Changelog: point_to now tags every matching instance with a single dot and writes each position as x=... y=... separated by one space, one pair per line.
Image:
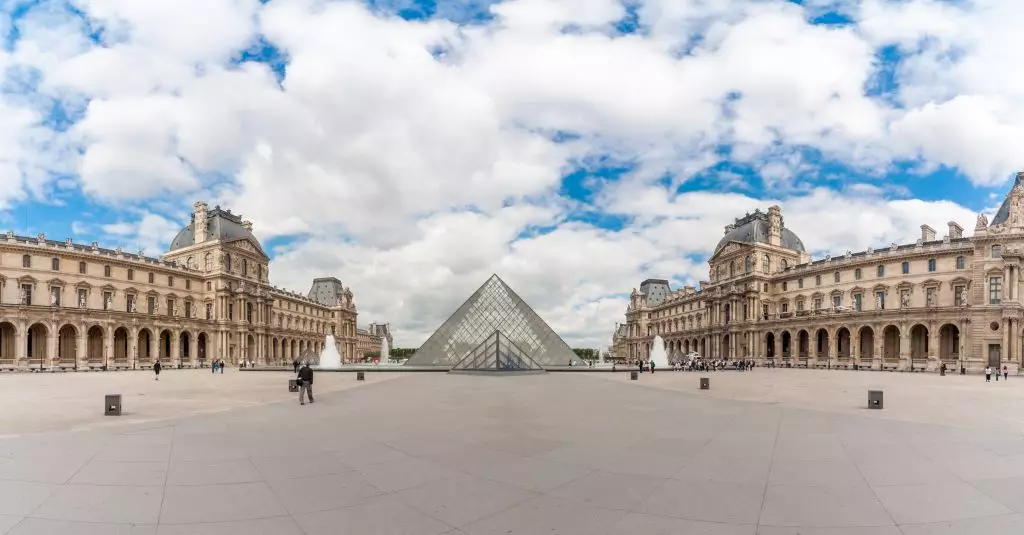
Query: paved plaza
x=558 y=453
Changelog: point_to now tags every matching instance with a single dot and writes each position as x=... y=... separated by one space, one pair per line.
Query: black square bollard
x=705 y=383
x=633 y=375
x=874 y=399
x=112 y=405
x=360 y=376
x=293 y=385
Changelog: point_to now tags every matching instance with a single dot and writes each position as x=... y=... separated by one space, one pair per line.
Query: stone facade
x=71 y=306
x=368 y=340
x=953 y=300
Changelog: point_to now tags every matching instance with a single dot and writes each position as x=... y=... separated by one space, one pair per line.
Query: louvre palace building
x=65 y=305
x=953 y=300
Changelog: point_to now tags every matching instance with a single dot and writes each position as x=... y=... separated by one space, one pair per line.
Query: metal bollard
x=633 y=375
x=112 y=405
x=293 y=385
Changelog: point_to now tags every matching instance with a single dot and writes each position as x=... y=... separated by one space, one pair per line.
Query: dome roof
x=753 y=228
x=220 y=225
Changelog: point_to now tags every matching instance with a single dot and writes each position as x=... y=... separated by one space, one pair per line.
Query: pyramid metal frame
x=497 y=354
x=493 y=307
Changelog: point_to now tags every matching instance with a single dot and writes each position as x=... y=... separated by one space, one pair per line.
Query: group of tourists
x=988 y=374
x=217 y=365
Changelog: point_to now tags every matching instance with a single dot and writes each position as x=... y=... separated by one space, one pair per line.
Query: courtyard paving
x=561 y=453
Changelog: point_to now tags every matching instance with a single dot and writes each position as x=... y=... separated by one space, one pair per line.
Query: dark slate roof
x=753 y=228
x=327 y=291
x=220 y=225
x=1004 y=210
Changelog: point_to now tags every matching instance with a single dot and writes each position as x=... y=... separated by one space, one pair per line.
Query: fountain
x=385 y=353
x=658 y=354
x=601 y=363
x=330 y=359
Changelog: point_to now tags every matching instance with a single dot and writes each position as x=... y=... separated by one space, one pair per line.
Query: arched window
x=961 y=262
x=227 y=262
x=746 y=264
x=718 y=276
x=189 y=262
x=997 y=251
x=783 y=264
x=208 y=262
x=766 y=264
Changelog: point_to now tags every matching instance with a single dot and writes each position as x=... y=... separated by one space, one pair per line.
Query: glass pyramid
x=498 y=354
x=493 y=307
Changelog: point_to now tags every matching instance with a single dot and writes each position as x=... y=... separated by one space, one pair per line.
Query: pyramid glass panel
x=497 y=354
x=493 y=307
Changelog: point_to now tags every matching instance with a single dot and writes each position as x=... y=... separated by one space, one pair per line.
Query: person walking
x=988 y=374
x=305 y=383
x=1006 y=373
x=213 y=367
x=156 y=370
x=295 y=365
x=652 y=367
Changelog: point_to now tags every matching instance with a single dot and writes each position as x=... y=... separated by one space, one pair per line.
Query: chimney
x=927 y=233
x=199 y=221
x=955 y=230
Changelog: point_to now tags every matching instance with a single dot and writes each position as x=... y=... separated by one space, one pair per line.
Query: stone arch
x=803 y=344
x=36 y=343
x=949 y=342
x=120 y=345
x=919 y=342
x=294 y=349
x=891 y=343
x=163 y=348
x=185 y=346
x=250 y=348
x=8 y=341
x=769 y=346
x=144 y=344
x=94 y=345
x=787 y=345
x=274 y=349
x=67 y=344
x=201 y=346
x=843 y=343
x=723 y=352
x=821 y=344
x=866 y=343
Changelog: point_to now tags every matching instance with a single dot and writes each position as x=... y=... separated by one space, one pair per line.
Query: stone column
x=81 y=350
x=108 y=346
x=1004 y=353
x=20 y=343
x=51 y=346
x=175 y=348
x=879 y=359
x=193 y=350
x=933 y=348
x=905 y=355
x=777 y=349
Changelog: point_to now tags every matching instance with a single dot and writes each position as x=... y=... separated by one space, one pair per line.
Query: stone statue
x=878 y=302
x=131 y=307
x=81 y=301
x=982 y=221
x=931 y=299
x=109 y=303
x=905 y=300
x=24 y=297
x=53 y=299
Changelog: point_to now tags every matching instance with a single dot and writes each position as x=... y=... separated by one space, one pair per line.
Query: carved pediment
x=856 y=290
x=881 y=288
x=817 y=295
x=931 y=283
x=905 y=286
x=960 y=281
x=837 y=292
x=248 y=246
x=995 y=271
x=109 y=288
x=83 y=284
x=131 y=290
x=56 y=281
x=27 y=279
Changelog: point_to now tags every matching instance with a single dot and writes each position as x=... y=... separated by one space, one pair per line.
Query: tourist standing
x=222 y=366
x=305 y=383
x=1006 y=373
x=652 y=367
x=156 y=370
x=295 y=365
x=988 y=374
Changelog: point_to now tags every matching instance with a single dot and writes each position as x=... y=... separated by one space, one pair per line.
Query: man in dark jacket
x=305 y=383
x=295 y=366
x=156 y=369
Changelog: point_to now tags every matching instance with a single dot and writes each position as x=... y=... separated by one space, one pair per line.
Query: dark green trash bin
x=874 y=399
x=360 y=376
x=633 y=375
x=112 y=405
x=705 y=383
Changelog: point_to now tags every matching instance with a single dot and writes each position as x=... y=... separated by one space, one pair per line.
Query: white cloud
x=414 y=158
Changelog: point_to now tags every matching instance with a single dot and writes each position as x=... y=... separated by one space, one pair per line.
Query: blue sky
x=267 y=97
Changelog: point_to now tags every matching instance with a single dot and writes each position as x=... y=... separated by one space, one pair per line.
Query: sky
x=575 y=147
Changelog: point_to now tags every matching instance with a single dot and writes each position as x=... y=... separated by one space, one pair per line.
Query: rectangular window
x=26 y=261
x=995 y=290
x=904 y=298
x=209 y=286
x=880 y=300
x=131 y=274
x=800 y=283
x=931 y=265
x=108 y=299
x=817 y=303
x=151 y=304
x=783 y=286
x=764 y=311
x=785 y=307
x=188 y=309
x=83 y=297
x=106 y=271
x=906 y=268
x=170 y=280
x=856 y=274
x=129 y=303
x=857 y=302
x=188 y=284
x=209 y=311
x=55 y=296
x=959 y=295
x=880 y=271
x=961 y=262
x=170 y=307
x=836 y=276
x=151 y=277
x=231 y=311
x=837 y=300
x=26 y=294
x=817 y=280
x=55 y=264
x=81 y=267
x=746 y=313
x=799 y=306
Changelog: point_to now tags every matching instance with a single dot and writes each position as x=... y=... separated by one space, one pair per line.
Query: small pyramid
x=497 y=354
x=493 y=307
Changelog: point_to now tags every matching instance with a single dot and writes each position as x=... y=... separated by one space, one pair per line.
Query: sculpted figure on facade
x=81 y=301
x=982 y=222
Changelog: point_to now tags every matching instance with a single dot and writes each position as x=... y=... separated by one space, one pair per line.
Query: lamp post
x=135 y=354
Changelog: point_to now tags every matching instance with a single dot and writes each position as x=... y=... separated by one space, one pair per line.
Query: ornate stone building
x=953 y=300
x=71 y=306
x=368 y=340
